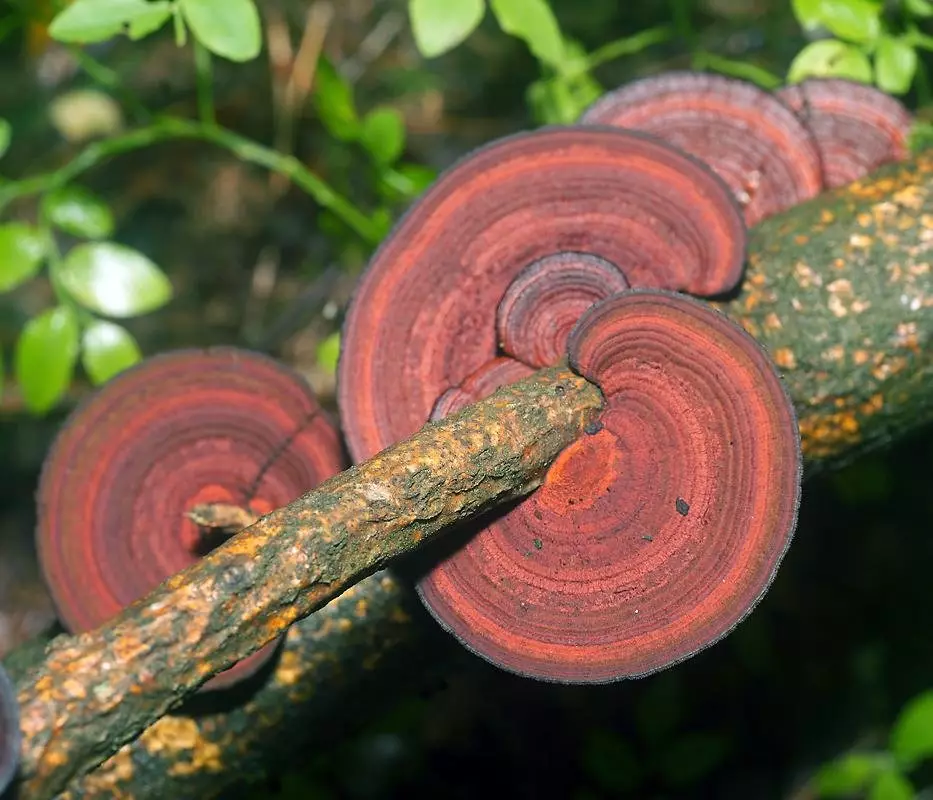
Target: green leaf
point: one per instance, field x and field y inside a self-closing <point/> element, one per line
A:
<point x="333" y="101"/>
<point x="406" y="181"/>
<point x="328" y="351"/>
<point x="921" y="137"/>
<point x="895" y="65"/>
<point x="919" y="8"/>
<point x="86" y="21"/>
<point x="114" y="280"/>
<point x="79" y="212"/>
<point x="6" y="136"/>
<point x="45" y="357"/>
<point x="144" y="24"/>
<point x="22" y="248"/>
<point x="107" y="349"/>
<point x="830" y="58"/>
<point x="891" y="785"/>
<point x="228" y="28"/>
<point x="854" y="20"/>
<point x="912" y="733"/>
<point x="533" y="22"/>
<point x="440" y="25"/>
<point x="807" y="13"/>
<point x="848" y="774"/>
<point x="383" y="135"/>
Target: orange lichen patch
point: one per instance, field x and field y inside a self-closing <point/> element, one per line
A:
<point x="861" y="357"/>
<point x="361" y="608"/>
<point x="801" y="238"/>
<point x="890" y="367"/>
<point x="750" y="326"/>
<point x="180" y="739"/>
<point x="860" y="240"/>
<point x="906" y="336"/>
<point x="912" y="197"/>
<point x="873" y="405"/>
<point x="784" y="357"/>
<point x="865" y="220"/>
<point x="834" y="353"/>
<point x="772" y="322"/>
<point x="827" y="217"/>
<point x="109" y="779"/>
<point x="919" y="269"/>
<point x="289" y="669"/>
<point x="399" y="615"/>
<point x="806" y="276"/>
<point x="824" y="434"/>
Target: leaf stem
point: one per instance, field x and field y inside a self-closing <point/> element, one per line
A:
<point x="205" y="76"/>
<point x="167" y="129"/>
<point x="628" y="46"/>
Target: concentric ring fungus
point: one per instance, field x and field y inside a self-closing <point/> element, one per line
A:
<point x="482" y="383"/>
<point x="655" y="533"/>
<point x="857" y="128"/>
<point x="758" y="146"/>
<point x="10" y="736"/>
<point x="181" y="430"/>
<point x="424" y="314"/>
<point x="544" y="302"/>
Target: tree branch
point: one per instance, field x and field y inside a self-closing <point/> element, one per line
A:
<point x="839" y="290"/>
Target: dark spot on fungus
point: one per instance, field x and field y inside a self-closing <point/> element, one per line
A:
<point x="748" y="136"/>
<point x="179" y="432"/>
<point x="10" y="736"/>
<point x="593" y="427"/>
<point x="538" y="544"/>
<point x="682" y="506"/>
<point x="544" y="302"/>
<point x="595" y="606"/>
<point x="647" y="538"/>
<point x="423" y="315"/>
<point x="857" y="128"/>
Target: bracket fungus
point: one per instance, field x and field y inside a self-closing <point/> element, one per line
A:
<point x="179" y="432"/>
<point x="658" y="531"/>
<point x="482" y="383"/>
<point x="857" y="128"/>
<point x="10" y="736"/>
<point x="749" y="137"/>
<point x="544" y="302"/>
<point x="430" y="293"/>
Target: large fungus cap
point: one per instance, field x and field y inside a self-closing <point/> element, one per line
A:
<point x="497" y="372"/>
<point x="544" y="302"/>
<point x="424" y="314"/>
<point x="765" y="154"/>
<point x="10" y="737"/>
<point x="656" y="532"/>
<point x="857" y="128"/>
<point x="181" y="430"/>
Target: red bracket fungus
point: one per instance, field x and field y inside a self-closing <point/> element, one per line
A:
<point x="482" y="383"/>
<point x="10" y="737"/>
<point x="857" y="128"/>
<point x="748" y="136"/>
<point x="423" y="317"/>
<point x="180" y="431"/>
<point x="544" y="302"/>
<point x="658" y="531"/>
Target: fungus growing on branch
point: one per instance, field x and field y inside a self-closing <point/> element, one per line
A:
<point x="423" y="317"/>
<point x="658" y="531"/>
<point x="857" y="128"/>
<point x="748" y="136"/>
<point x="158" y="445"/>
<point x="544" y="302"/>
<point x="10" y="737"/>
<point x="482" y="383"/>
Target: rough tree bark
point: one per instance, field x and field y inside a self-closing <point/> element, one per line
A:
<point x="839" y="290"/>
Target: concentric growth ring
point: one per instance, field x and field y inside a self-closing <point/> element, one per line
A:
<point x="656" y="532"/>
<point x="181" y="430"/>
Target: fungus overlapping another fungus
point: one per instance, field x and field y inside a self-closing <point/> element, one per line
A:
<point x="755" y="142"/>
<point x="857" y="128"/>
<point x="544" y="302"/>
<point x="482" y="383"/>
<point x="10" y="736"/>
<point x="180" y="431"/>
<point x="656" y="533"/>
<point x="423" y="317"/>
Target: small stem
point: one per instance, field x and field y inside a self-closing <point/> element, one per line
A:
<point x="627" y="46"/>
<point x="109" y="79"/>
<point x="737" y="69"/>
<point x="172" y="128"/>
<point x="205" y="76"/>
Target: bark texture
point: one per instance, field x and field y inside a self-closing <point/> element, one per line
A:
<point x="840" y="291"/>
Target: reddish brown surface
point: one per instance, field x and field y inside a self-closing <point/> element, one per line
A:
<point x="765" y="154"/>
<point x="182" y="429"/>
<point x="857" y="128"/>
<point x="423" y="317"/>
<point x="544" y="302"/>
<point x="657" y="532"/>
<point x="9" y="731"/>
<point x="478" y="386"/>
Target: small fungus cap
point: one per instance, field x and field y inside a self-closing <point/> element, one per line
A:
<point x="857" y="128"/>
<point x="178" y="431"/>
<point x="10" y="736"/>
<point x="748" y="136"/>
<point x="423" y="316"/>
<point x="657" y="531"/>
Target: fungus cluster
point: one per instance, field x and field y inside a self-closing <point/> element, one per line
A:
<point x="9" y="732"/>
<point x="658" y="531"/>
<point x="136" y="466"/>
